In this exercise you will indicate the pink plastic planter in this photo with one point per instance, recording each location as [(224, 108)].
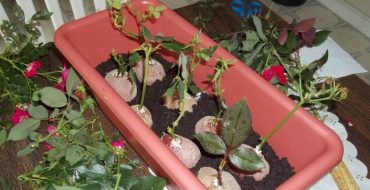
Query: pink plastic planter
[(310, 147)]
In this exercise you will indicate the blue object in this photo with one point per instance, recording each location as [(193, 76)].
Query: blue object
[(238, 7), (254, 8)]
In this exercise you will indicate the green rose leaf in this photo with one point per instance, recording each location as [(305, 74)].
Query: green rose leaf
[(94, 172), (149, 183), (76, 118), (55, 154), (53, 97), (23, 129), (35, 136), (74, 154), (292, 41), (258, 24), (2, 137), (56, 187), (99, 149), (38, 112), (58, 142), (73, 80), (211, 143), (116, 4), (26, 150), (236, 124), (320, 37), (246, 159), (146, 33), (173, 46)]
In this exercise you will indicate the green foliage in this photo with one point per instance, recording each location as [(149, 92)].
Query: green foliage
[(23, 129), (236, 125), (211, 143), (27, 150), (21, 48), (246, 159), (38, 112), (4, 184), (3, 136), (73, 81), (52, 97)]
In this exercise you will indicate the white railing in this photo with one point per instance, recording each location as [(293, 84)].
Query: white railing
[(59, 16)]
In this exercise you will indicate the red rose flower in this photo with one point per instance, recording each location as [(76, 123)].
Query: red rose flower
[(63, 80), (19, 115), (118, 144), (32, 69), (51, 129), (277, 72), (47, 146)]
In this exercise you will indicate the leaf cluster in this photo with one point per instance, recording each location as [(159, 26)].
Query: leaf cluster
[(21, 48), (235, 129)]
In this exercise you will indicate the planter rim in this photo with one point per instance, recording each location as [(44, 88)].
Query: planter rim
[(143, 138)]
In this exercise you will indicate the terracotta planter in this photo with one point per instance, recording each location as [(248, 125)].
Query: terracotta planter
[(312, 148)]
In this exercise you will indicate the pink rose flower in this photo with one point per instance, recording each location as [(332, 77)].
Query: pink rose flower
[(118, 144), (277, 72), (19, 116), (32, 69), (63, 80), (51, 129), (47, 146)]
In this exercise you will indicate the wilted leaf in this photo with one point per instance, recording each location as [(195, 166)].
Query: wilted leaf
[(26, 150), (74, 154), (283, 37), (259, 47), (149, 183), (53, 97), (250, 41), (18, 12), (183, 63), (73, 80), (258, 24), (236, 125), (305, 25), (23, 129), (41, 15), (38, 112), (246, 159), (211, 143)]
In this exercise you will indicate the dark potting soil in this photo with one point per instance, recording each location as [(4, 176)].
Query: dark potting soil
[(280, 169)]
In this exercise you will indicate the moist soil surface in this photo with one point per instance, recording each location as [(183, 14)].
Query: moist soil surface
[(280, 169)]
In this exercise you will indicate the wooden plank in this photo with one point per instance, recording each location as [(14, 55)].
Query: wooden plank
[(56, 18), (29, 10), (77, 8), (343, 177), (100, 5), (3, 15)]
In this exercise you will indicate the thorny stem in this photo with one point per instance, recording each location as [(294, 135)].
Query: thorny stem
[(279, 125), (118, 170)]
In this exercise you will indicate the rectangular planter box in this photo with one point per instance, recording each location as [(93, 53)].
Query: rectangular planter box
[(311, 148)]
